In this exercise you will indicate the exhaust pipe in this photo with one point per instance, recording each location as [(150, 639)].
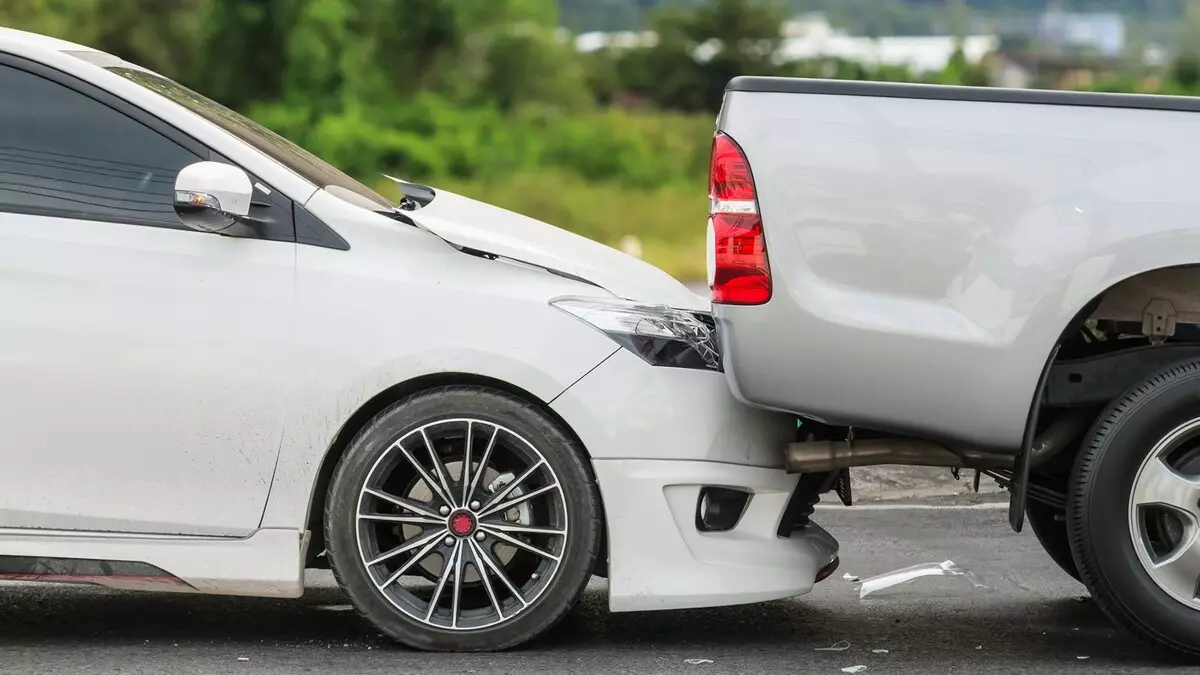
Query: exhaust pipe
[(821, 456)]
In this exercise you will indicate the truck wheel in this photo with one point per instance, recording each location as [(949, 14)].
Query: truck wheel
[(1134, 510), (463, 519), (1050, 527)]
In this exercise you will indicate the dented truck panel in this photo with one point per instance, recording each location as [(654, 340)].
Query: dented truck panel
[(929, 245)]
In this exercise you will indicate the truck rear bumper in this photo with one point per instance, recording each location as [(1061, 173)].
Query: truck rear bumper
[(781, 356)]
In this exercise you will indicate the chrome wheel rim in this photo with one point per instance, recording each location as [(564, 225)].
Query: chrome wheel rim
[(471, 507), (1164, 514)]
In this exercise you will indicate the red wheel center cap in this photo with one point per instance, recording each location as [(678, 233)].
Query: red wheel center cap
[(462, 524)]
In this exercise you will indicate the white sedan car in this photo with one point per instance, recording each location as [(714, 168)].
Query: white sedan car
[(222, 361)]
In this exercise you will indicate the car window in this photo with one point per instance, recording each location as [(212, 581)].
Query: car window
[(63, 153), (309, 166)]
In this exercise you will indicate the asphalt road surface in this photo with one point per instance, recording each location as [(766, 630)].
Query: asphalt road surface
[(1031, 618)]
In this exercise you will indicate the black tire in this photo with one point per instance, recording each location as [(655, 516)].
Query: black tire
[(1050, 527), (1097, 509), (565, 458)]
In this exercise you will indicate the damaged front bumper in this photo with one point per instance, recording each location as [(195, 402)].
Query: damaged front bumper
[(663, 438), (661, 560)]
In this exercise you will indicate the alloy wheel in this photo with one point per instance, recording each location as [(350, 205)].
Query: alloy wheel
[(461, 524), (1164, 513)]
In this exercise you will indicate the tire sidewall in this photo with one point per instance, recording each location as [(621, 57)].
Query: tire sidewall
[(1120, 443), (566, 461)]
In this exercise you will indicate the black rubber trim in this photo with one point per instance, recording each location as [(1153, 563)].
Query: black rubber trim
[(1019, 490), (828, 570), (1101, 378), (805, 496), (271, 216), (937, 92), (312, 231), (12, 566)]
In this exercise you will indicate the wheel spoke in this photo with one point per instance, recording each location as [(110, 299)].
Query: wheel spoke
[(1180, 571), (518, 543), (464, 476), (408, 520), (403, 503), (482, 570), (1158, 483), (419, 556), (433, 484), (517, 500), (456, 599), (512, 486), (483, 463), (440, 470), (407, 546), (447, 570), (502, 576), (522, 529)]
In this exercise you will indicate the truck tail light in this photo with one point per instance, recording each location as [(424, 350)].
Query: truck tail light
[(738, 272)]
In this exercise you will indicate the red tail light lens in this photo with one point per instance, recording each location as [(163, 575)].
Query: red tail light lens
[(739, 273), (728, 173)]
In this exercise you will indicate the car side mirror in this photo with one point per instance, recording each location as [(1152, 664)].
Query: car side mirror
[(211, 196)]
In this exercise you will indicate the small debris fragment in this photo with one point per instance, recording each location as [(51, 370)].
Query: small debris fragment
[(1083, 658), (854, 669), (879, 651), (849, 577), (1081, 598), (979, 647), (243, 658), (835, 647), (907, 574), (697, 662), (335, 608)]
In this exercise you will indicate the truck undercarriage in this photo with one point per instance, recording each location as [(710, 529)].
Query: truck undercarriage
[(1141, 326)]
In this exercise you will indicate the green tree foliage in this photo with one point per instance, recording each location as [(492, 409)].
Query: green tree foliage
[(489, 97), (251, 36), (701, 48)]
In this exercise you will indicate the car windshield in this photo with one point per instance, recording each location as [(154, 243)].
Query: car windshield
[(277, 147)]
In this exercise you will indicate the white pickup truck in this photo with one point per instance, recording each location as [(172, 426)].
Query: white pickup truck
[(979, 278)]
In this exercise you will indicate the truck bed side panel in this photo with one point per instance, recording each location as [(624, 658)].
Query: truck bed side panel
[(927, 254)]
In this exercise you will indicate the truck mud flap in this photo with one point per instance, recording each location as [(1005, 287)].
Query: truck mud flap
[(1019, 489)]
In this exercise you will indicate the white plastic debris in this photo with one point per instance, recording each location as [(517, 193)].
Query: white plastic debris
[(243, 658), (879, 651), (849, 577), (835, 647), (903, 576), (697, 662), (854, 669), (1083, 658)]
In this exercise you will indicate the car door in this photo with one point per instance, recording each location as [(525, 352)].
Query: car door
[(140, 362)]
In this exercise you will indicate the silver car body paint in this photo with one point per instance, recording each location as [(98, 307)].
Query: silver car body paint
[(928, 252)]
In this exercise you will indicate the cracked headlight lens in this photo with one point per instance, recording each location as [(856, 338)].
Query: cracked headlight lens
[(660, 335)]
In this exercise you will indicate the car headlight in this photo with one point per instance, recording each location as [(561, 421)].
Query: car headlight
[(660, 335)]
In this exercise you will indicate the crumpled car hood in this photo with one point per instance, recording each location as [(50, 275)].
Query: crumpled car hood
[(468, 223)]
